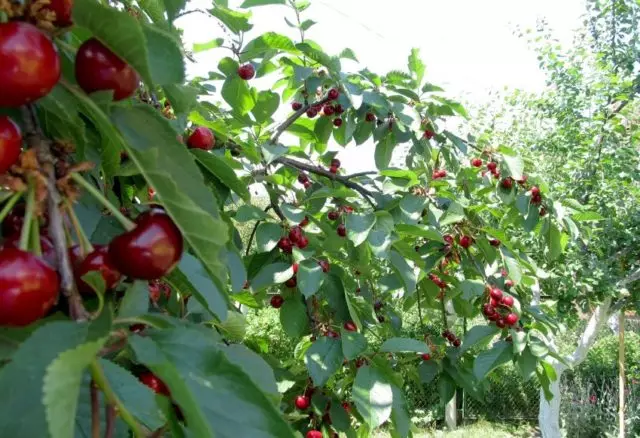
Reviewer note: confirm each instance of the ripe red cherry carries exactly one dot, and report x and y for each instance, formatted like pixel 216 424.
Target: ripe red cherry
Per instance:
pixel 30 65
pixel 333 94
pixel 302 402
pixel 276 301
pixel 328 110
pixel 335 163
pixel 62 9
pixel 150 250
pixel 370 117
pixel 508 283
pixel 338 109
pixel 333 170
pixel 341 230
pixel 535 190
pixel 312 112
pixel 307 184
pixel 337 122
pixel 476 162
pixel 246 71
pixel 285 245
pixel 488 310
pixel 425 356
pixel 466 241
pixel 332 334
pixel 99 69
pixel 295 234
pixel 494 242
pixel 429 134
pixel 522 181
pixel 303 242
pixel 495 293
pixel 10 143
pixel 350 326
pixel 333 215
pixel 292 282
pixel 153 382
pixel 511 319
pixel 201 138
pixel 296 106
pixel 48 250
pixel 98 260
pixel 492 166
pixel 448 238
pixel 494 317
pixel 507 301
pixel 506 183
pixel 314 434
pixel 295 268
pixel 304 222
pixel 501 323
pixel 28 287
pixel 543 212
pixel 493 302
pixel 303 178
pixel 324 265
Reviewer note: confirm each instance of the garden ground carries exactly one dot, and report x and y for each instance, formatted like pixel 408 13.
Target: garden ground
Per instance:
pixel 479 429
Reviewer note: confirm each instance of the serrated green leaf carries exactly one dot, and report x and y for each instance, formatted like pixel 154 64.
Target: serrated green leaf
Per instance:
pixel 323 359
pixel 252 3
pixel 416 66
pixel 514 165
pixel 353 343
pixel 479 335
pixel 237 94
pixel 235 21
pixel 310 277
pixel 384 151
pixel 269 275
pixel 214 43
pixel 471 289
pixel 404 345
pixel 586 216
pixel 428 370
pixel 372 395
pixel 454 214
pixel 181 97
pixel 265 106
pixel 219 168
pixel 405 271
pixel 358 227
pixel 489 360
pixel 165 59
pixel 135 301
pixel 293 317
pixel 249 212
pixel 267 236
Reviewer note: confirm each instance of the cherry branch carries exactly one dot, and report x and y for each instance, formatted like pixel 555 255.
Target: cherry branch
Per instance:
pixel 293 117
pixel 253 232
pixel 36 140
pixel 95 410
pixel 324 172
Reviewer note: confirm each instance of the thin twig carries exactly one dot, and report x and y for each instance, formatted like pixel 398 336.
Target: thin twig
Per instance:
pixel 253 232
pixel 359 174
pixel 95 410
pixel 293 117
pixel 110 412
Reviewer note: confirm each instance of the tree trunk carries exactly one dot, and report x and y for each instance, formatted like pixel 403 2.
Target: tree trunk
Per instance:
pixel 549 416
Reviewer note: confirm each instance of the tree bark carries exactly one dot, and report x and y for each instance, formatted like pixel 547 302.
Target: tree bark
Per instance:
pixel 549 415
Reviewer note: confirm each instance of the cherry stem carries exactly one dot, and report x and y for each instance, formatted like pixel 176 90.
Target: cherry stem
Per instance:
pixel 95 411
pixel 28 217
pixel 110 412
pixel 35 238
pixel 83 240
pixel 9 205
pixel 126 223
pixel 101 381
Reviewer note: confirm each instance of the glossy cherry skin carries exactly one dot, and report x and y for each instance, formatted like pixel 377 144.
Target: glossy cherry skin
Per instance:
pixel 476 162
pixel 370 117
pixel 28 287
pixel 511 319
pixel 29 66
pixel 153 382
pixel 202 138
pixel 426 356
pixel 507 301
pixel 341 230
pixel 337 122
pixel 296 106
pixel 48 250
pixel 10 143
pixel 99 69
pixel 494 242
pixel 314 434
pixel 466 241
pixel 62 8
pixel 324 265
pixel 295 234
pixel 276 301
pixel 302 402
pixel 495 293
pixel 350 326
pixel 150 250
pixel 246 72
pixel 97 260
pixel 285 245
pixel 335 163
pixel 333 94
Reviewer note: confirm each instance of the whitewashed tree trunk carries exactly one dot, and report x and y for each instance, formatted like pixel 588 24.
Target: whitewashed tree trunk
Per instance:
pixel 549 416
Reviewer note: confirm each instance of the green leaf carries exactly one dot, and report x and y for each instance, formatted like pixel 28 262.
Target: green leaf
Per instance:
pixel 173 7
pixel 457 141
pixel 519 341
pixel 269 275
pixel 306 24
pixel 372 395
pixel 587 216
pixel 454 214
pixel 421 231
pixel 554 242
pixel 218 167
pixel 237 269
pixel 267 236
pixel 404 345
pixel 235 21
pixel 61 387
pixel 411 207
pixel 165 56
pixel 400 413
pixel 359 226
pixel 237 94
pixel 479 335
pixel 310 277
pixel 252 3
pixel 273 151
pixel 537 346
pixel 135 301
pixel 214 43
pixel 428 370
pixel 380 241
pixel 255 366
pixel 323 359
pixel 471 289
pixel 489 360
pixel 293 317
pixel 292 213
pixel 416 66
pixel 248 212
pixel 405 271
pixel 514 165
pixel 181 97
pixel 353 344
pixel 527 363
pixel 384 151
pixel 266 106
pixel 446 388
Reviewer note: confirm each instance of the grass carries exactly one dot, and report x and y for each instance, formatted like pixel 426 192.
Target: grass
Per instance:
pixel 479 429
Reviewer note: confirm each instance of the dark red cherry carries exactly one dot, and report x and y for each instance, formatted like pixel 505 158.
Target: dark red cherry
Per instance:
pixel 201 138
pixel 28 287
pixel 62 9
pixel 296 106
pixel 29 64
pixel 153 382
pixel 150 250
pixel 350 326
pixel 10 143
pixel 99 69
pixel 97 260
pixel 341 230
pixel 46 246
pixel 276 301
pixel 246 72
pixel 333 94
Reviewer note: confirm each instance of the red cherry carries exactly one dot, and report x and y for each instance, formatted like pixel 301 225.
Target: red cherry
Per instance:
pixel 476 162
pixel 492 166
pixel 285 245
pixel 426 356
pixel 456 342
pixel 276 301
pixel 439 173
pixel 337 122
pixel 511 319
pixel 302 402
pixel 28 287
pixel 448 238
pixel 62 9
pixel 295 268
pixel 304 222
pixel 10 143
pixel 543 212
pixel 466 241
pixel 324 265
pixel 333 94
pixel 347 209
pixel 328 110
pixel 296 106
pixel 153 382
pixel 507 301
pixel 201 138
pixel 333 170
pixel 292 282
pixel 303 178
pixel 99 69
pixel 332 334
pixel 488 310
pixel 48 250
pixel 312 112
pixel 339 109
pixel 494 242
pixel 30 65
pixel 501 323
pixel 341 230
pixel 370 117
pixel 335 163
pixel 493 302
pixel 296 234
pixel 508 283
pixel 504 272
pixel 346 406
pixel 246 71
pixel 494 317
pixel 522 181
pixel 378 305
pixel 12 223
pixel 350 326
pixel 150 250
pixel 98 260
pixel 495 293
pixel 307 184
pixel 333 215
pixel 506 183
pixel 303 242
pixel 137 328
pixel 314 434
pixel 535 190
pixel 429 134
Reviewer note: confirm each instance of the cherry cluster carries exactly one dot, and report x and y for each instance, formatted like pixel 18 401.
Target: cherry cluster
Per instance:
pixel 451 337
pixel 295 237
pixel 498 308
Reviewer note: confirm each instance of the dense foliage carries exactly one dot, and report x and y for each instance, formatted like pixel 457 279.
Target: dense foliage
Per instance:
pixel 123 270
